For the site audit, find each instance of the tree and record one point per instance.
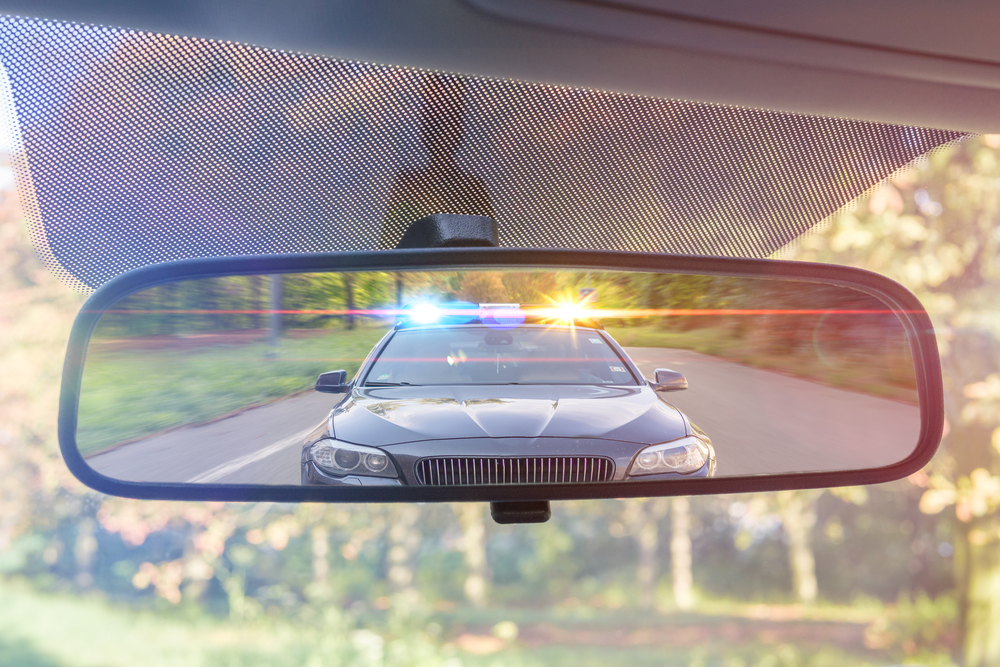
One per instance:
(404, 541)
(680, 552)
(641, 518)
(274, 333)
(349, 299)
(797, 510)
(470, 518)
(933, 227)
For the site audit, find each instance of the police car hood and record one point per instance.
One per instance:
(381, 416)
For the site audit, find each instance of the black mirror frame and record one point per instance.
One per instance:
(914, 318)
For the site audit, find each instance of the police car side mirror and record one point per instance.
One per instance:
(334, 382)
(668, 380)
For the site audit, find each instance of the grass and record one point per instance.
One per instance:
(62, 630)
(709, 340)
(724, 633)
(59, 630)
(129, 392)
(862, 370)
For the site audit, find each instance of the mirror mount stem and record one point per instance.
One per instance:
(451, 230)
(447, 230)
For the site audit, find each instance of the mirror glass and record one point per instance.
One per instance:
(493, 377)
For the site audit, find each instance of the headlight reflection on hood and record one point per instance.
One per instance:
(681, 456)
(341, 458)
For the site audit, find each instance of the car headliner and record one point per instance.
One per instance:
(927, 64)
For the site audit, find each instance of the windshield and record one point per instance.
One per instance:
(146, 147)
(331, 155)
(481, 355)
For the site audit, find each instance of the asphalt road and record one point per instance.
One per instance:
(760, 422)
(765, 422)
(257, 446)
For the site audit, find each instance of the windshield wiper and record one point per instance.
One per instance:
(389, 384)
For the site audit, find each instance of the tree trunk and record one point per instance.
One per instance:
(214, 294)
(680, 552)
(233, 584)
(84, 550)
(274, 335)
(470, 517)
(977, 557)
(798, 516)
(642, 517)
(981, 597)
(256, 301)
(168, 300)
(320, 548)
(972, 358)
(349, 298)
(649, 569)
(404, 540)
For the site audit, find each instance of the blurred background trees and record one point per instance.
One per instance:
(921, 556)
(934, 228)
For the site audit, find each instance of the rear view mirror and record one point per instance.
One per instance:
(499, 375)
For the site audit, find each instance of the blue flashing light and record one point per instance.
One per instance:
(451, 312)
(459, 312)
(425, 313)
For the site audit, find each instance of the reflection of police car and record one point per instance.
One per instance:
(501, 398)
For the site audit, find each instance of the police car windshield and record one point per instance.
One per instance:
(476, 354)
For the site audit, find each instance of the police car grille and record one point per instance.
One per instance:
(453, 471)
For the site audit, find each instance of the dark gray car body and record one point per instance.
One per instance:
(411, 423)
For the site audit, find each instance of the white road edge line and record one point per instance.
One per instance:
(220, 471)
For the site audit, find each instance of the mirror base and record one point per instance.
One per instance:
(521, 511)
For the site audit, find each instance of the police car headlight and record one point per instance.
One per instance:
(341, 458)
(683, 456)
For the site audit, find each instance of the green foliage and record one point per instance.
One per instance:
(44, 630)
(130, 393)
(861, 368)
(933, 227)
(921, 630)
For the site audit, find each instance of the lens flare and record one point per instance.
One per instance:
(425, 313)
(501, 317)
(571, 311)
